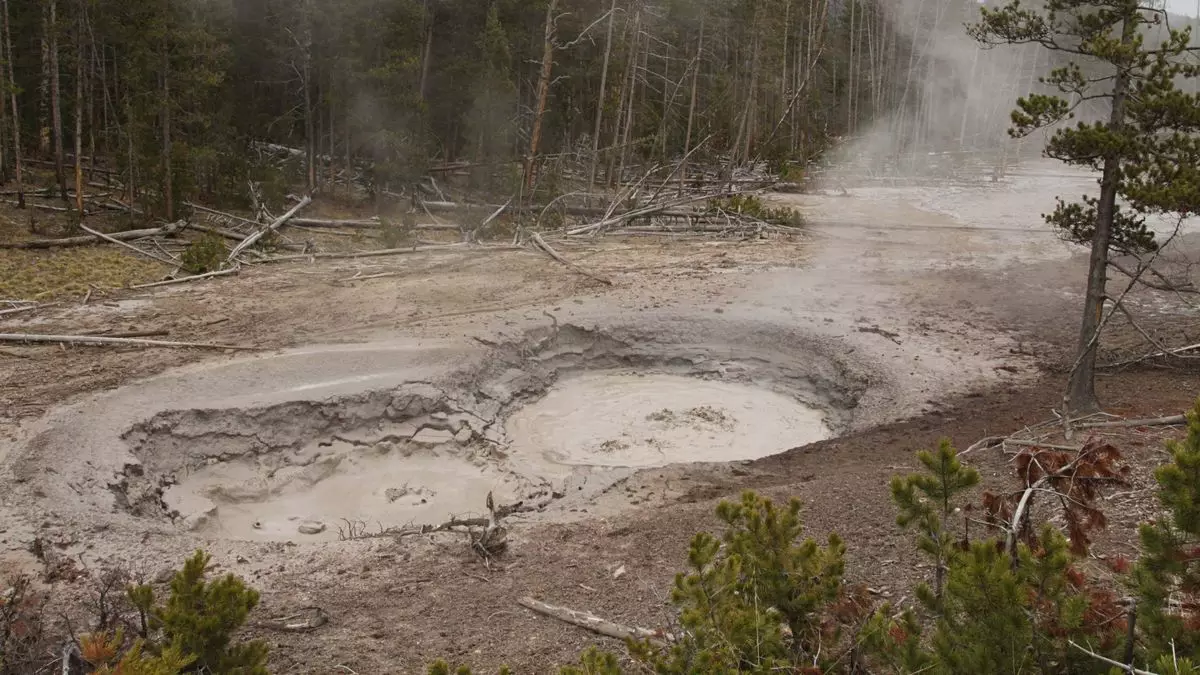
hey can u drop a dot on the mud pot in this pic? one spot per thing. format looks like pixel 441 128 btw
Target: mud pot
pixel 546 422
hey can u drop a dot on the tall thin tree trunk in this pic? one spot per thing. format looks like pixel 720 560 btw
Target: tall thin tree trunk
pixel 91 96
pixel 752 106
pixel 612 13
pixel 44 86
pixel 16 113
pixel 850 75
pixel 426 61
pixel 79 111
pixel 543 93
pixel 687 138
pixel 168 171
pixel 627 127
pixel 56 103
pixel 626 79
pixel 310 133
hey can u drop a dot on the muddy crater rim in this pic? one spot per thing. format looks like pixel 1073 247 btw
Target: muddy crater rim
pixel 527 422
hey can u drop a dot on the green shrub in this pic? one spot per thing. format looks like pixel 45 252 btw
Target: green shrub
pixel 206 254
pixel 752 206
pixel 758 600
pixel 199 619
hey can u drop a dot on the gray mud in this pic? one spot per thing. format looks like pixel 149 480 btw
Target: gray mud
pixel 548 419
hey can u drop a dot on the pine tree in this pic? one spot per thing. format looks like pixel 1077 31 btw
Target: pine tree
pixel 200 618
pixel 1167 577
pixel 1147 150
pixel 926 501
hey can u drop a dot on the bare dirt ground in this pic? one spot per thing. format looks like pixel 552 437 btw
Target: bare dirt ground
pixel 949 310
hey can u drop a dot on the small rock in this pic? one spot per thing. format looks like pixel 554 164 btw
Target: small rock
pixel 312 527
pixel 464 435
pixel 620 572
pixel 164 575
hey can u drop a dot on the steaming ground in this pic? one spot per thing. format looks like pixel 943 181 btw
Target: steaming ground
pixel 404 399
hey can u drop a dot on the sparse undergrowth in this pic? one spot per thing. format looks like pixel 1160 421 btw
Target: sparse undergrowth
pixel 71 272
pixel 1016 600
pixel 752 206
pixel 192 631
pixel 206 254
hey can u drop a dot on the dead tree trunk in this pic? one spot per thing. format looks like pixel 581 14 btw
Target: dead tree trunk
pixel 426 59
pixel 44 87
pixel 612 13
pixel 310 134
pixel 543 93
pixel 60 177
pixel 79 111
pixel 168 179
pixel 16 114
pixel 687 139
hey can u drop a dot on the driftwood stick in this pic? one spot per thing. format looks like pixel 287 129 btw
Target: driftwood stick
pixel 592 622
pixel 131 247
pixel 90 239
pixel 194 277
pixel 98 340
pixel 228 234
pixel 332 222
pixel 541 243
pixel 390 251
pixel 249 241
pixel 1116 664
pixel 1150 422
pixel 14 310
pixel 44 207
pixel 221 214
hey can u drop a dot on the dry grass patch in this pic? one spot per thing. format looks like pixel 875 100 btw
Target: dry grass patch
pixel 49 275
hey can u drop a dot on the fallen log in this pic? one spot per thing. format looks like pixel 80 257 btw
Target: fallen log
pixel 652 209
pixel 389 251
pixel 334 222
pixel 1151 422
pixel 132 334
pixel 233 236
pixel 589 621
pixel 14 310
pixel 222 214
pixel 194 277
pixel 541 243
pixel 97 340
pixel 44 207
pixel 165 230
pixel 249 241
pixel 131 247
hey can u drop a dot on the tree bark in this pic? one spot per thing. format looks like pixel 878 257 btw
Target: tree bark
pixel 612 13
pixel 168 177
pixel 310 134
pixel 16 114
pixel 543 93
pixel 79 111
pixel 56 103
pixel 44 87
pixel 1081 390
pixel 687 138
pixel 426 59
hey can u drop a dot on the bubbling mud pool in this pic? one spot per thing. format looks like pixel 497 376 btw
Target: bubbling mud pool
pixel 648 420
pixel 547 425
